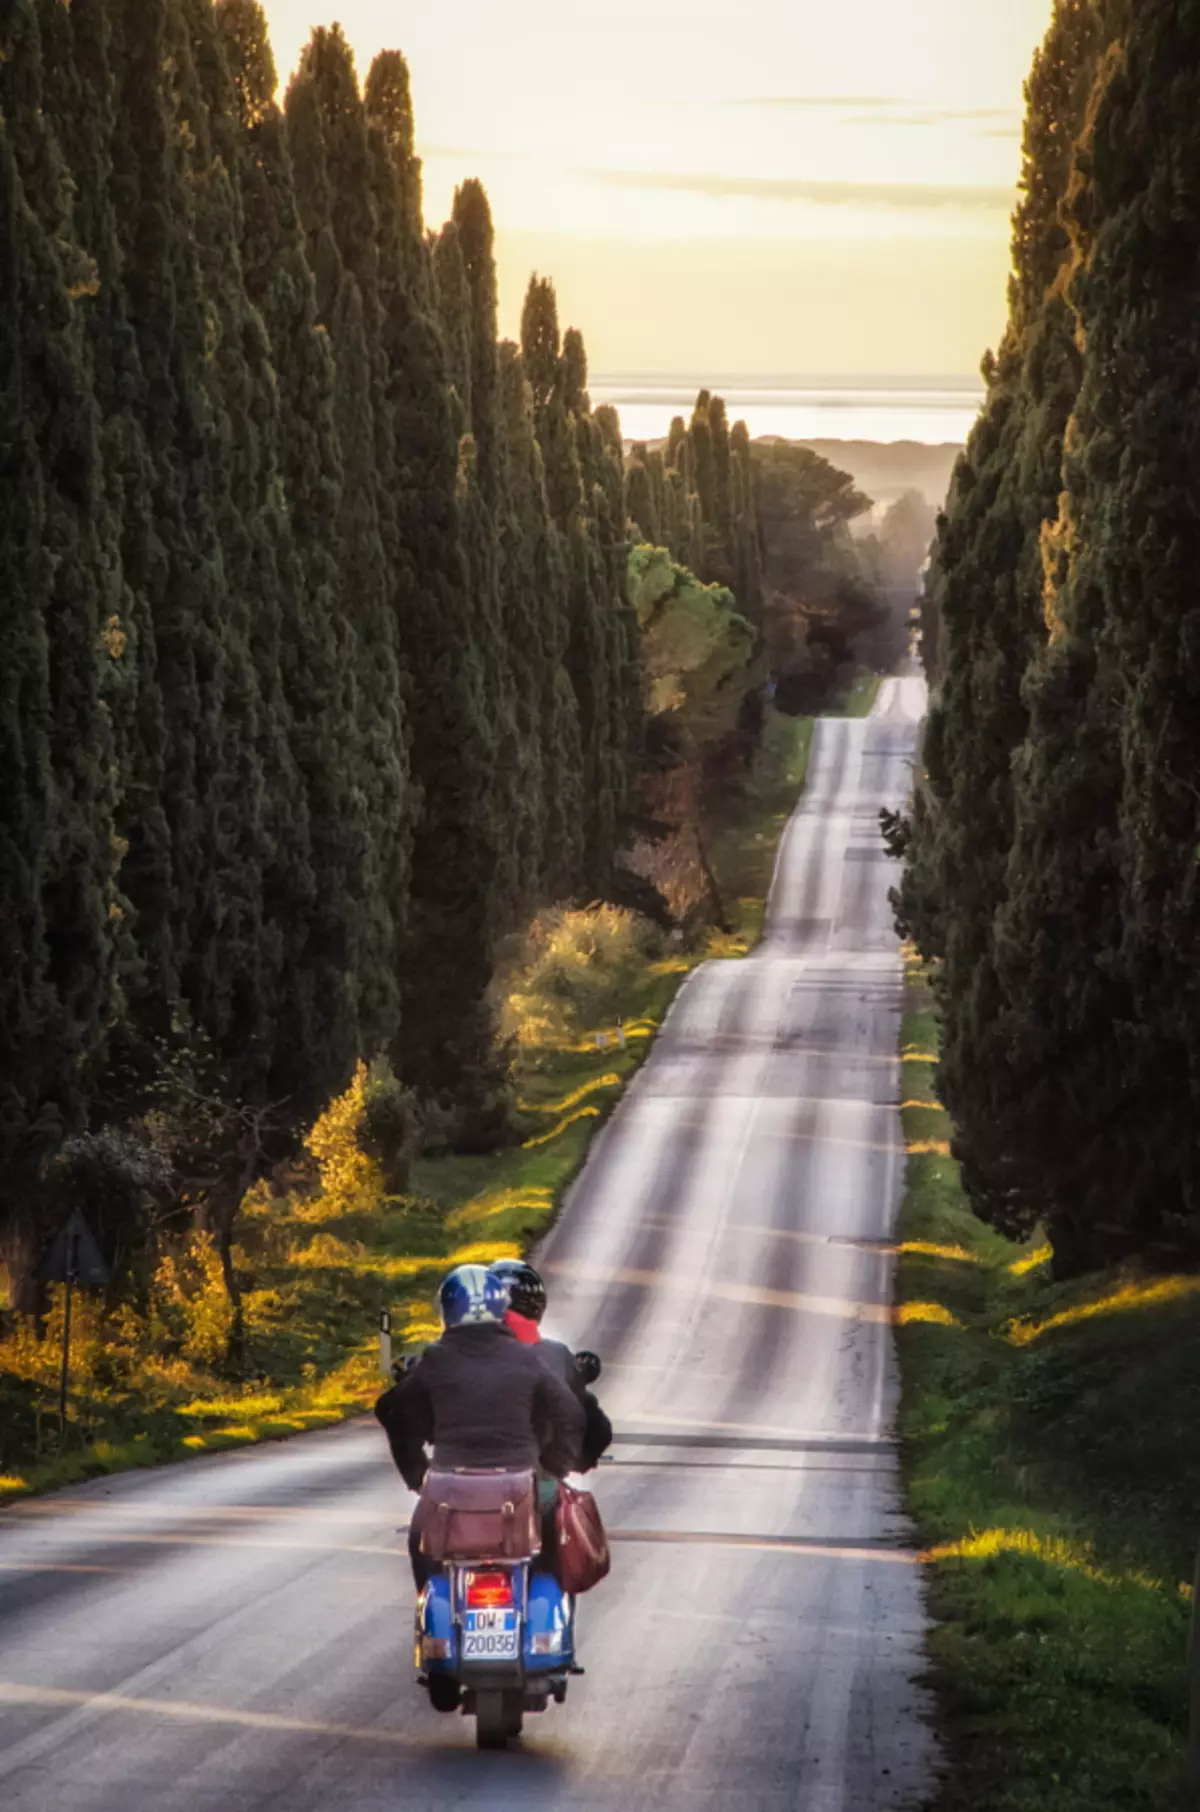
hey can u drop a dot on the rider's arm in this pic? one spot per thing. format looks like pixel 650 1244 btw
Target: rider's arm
pixel 597 1434
pixel 406 1412
pixel 559 1417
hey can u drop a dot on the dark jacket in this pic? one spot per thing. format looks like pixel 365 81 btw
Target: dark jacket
pixel 480 1398
pixel 597 1430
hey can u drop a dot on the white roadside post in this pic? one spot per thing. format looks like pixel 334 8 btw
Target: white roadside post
pixel 385 1343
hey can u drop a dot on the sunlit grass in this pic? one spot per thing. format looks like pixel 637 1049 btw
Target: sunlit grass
pixel 1031 1261
pixel 556 1132
pixel 1051 1467
pixel 935 1312
pixel 1142 1294
pixel 1055 1551
pixel 501 1201
pixel 931 1249
pixel 610 1080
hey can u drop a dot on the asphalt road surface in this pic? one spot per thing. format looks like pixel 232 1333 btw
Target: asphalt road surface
pixel 233 1635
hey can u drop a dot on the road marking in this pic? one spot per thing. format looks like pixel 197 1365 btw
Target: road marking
pixel 99 1704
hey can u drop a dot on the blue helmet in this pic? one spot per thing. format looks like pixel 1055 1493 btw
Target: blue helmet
pixel 470 1293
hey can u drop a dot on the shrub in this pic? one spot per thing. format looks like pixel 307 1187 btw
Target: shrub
pixel 572 972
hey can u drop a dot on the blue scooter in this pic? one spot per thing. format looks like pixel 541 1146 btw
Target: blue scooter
pixel 495 1639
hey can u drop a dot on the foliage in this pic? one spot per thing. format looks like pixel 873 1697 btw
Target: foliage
pixel 694 642
pixel 573 971
pixel 1051 866
pixel 321 674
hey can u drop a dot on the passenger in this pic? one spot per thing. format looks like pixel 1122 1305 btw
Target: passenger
pixel 479 1399
pixel 526 1306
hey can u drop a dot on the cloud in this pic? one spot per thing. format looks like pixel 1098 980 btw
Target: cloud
pixel 984 117
pixel 801 102
pixel 874 110
pixel 881 111
pixel 810 189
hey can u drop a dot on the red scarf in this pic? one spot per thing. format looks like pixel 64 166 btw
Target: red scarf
pixel 525 1330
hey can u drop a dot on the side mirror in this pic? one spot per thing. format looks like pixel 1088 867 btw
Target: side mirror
pixel 589 1366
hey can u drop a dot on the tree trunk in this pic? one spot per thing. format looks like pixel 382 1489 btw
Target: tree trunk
pixel 21 1251
pixel 710 882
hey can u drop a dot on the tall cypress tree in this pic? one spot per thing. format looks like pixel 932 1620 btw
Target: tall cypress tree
pixel 988 579
pixel 58 564
pixel 317 654
pixel 1101 890
pixel 566 569
pixel 511 803
pixel 331 157
pixel 1137 304
pixel 535 580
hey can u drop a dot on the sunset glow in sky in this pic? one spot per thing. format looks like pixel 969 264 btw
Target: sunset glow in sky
pixel 773 186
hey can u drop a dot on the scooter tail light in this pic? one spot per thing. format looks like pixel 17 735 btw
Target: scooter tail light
pixel 489 1591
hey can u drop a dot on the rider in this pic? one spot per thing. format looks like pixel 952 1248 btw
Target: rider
pixel 479 1398
pixel 526 1307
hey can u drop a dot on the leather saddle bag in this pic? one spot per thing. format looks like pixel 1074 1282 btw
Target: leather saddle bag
pixel 479 1516
pixel 583 1556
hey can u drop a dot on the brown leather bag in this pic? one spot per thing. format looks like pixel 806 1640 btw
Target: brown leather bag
pixel 583 1556
pixel 479 1516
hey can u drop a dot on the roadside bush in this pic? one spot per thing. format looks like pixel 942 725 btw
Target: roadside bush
pixel 573 973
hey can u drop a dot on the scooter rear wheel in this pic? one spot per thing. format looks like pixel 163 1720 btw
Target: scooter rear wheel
pixel 491 1721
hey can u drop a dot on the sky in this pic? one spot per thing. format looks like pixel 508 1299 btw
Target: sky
pixel 727 187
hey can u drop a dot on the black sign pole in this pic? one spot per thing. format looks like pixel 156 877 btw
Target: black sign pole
pixel 72 1245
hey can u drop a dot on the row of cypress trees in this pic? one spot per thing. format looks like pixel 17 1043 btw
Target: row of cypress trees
pixel 1054 858
pixel 320 670
pixel 697 496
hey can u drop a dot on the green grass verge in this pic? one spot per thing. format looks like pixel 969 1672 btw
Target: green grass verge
pixel 317 1280
pixel 1053 1470
pixel 746 842
pixel 860 699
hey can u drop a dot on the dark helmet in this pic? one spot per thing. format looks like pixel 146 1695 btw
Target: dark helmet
pixel 526 1291
pixel 470 1293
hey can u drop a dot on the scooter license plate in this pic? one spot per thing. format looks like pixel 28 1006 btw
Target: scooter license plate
pixel 490 1636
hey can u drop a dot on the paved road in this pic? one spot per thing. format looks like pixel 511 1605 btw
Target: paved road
pixel 233 1634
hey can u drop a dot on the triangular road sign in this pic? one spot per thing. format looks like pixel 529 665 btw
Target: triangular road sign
pixel 75 1256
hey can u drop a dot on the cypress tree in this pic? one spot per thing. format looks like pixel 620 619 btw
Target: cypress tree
pixel 511 803
pixel 988 588
pixel 317 652
pixel 566 565
pixel 452 303
pixel 535 580
pixel 58 561
pixel 446 596
pixel 331 157
pixel 1136 299
pixel 748 571
pixel 1107 804
pixel 641 503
